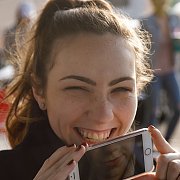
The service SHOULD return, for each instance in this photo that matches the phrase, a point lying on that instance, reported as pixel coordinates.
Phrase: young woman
(78, 84)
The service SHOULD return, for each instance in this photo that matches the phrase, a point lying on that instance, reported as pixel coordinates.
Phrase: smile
(94, 136)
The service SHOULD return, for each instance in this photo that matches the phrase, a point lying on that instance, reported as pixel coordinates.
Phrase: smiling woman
(94, 100)
(78, 83)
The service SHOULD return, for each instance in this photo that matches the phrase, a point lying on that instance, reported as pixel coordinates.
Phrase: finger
(161, 144)
(46, 169)
(75, 155)
(173, 170)
(60, 164)
(61, 152)
(64, 172)
(65, 165)
(163, 163)
(148, 176)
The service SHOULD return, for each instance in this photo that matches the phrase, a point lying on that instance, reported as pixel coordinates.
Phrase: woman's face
(91, 88)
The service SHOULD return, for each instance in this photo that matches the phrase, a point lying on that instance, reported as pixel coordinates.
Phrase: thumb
(161, 144)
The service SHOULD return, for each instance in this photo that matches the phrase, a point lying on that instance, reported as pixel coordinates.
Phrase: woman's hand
(60, 163)
(168, 163)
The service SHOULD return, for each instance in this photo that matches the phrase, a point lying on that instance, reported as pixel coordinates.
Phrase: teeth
(94, 136)
(101, 136)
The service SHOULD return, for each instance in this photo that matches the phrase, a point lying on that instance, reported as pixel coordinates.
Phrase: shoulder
(10, 157)
(6, 154)
(18, 164)
(8, 160)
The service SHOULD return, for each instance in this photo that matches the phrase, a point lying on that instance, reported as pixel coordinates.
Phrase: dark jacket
(24, 161)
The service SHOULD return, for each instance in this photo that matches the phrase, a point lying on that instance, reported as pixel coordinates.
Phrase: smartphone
(120, 158)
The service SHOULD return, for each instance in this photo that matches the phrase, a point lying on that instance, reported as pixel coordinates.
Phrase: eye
(81, 88)
(121, 89)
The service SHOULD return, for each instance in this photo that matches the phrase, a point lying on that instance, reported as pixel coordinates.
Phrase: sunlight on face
(91, 89)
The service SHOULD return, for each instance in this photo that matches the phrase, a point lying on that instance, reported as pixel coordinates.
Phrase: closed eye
(121, 89)
(76, 88)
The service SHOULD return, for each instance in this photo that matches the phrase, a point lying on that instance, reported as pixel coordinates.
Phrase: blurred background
(15, 12)
(136, 9)
(8, 10)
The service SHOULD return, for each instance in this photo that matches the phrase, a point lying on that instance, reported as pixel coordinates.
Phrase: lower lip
(92, 142)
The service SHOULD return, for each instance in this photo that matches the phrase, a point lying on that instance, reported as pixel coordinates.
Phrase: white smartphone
(120, 158)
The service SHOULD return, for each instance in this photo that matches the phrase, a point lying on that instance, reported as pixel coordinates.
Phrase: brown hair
(60, 18)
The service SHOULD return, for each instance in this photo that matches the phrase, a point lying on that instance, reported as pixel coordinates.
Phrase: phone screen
(115, 161)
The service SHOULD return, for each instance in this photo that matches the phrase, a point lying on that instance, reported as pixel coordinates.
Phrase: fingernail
(78, 148)
(72, 145)
(70, 162)
(151, 126)
(85, 144)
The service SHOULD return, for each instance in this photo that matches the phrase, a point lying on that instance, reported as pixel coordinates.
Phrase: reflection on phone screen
(116, 161)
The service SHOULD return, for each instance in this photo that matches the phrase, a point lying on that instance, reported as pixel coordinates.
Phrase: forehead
(91, 52)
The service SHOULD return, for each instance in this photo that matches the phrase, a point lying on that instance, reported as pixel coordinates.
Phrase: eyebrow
(116, 81)
(91, 82)
(80, 78)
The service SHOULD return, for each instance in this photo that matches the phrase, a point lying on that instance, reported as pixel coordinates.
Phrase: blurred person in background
(175, 23)
(15, 35)
(134, 9)
(163, 61)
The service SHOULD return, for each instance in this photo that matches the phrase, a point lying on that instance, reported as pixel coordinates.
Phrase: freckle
(87, 113)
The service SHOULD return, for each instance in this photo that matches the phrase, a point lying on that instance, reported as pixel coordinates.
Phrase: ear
(38, 93)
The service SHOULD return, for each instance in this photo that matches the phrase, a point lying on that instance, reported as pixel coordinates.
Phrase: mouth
(93, 137)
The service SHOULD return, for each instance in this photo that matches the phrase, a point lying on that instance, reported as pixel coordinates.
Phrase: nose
(101, 111)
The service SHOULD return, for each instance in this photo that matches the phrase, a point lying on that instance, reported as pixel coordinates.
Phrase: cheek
(62, 106)
(131, 112)
(126, 112)
(63, 113)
